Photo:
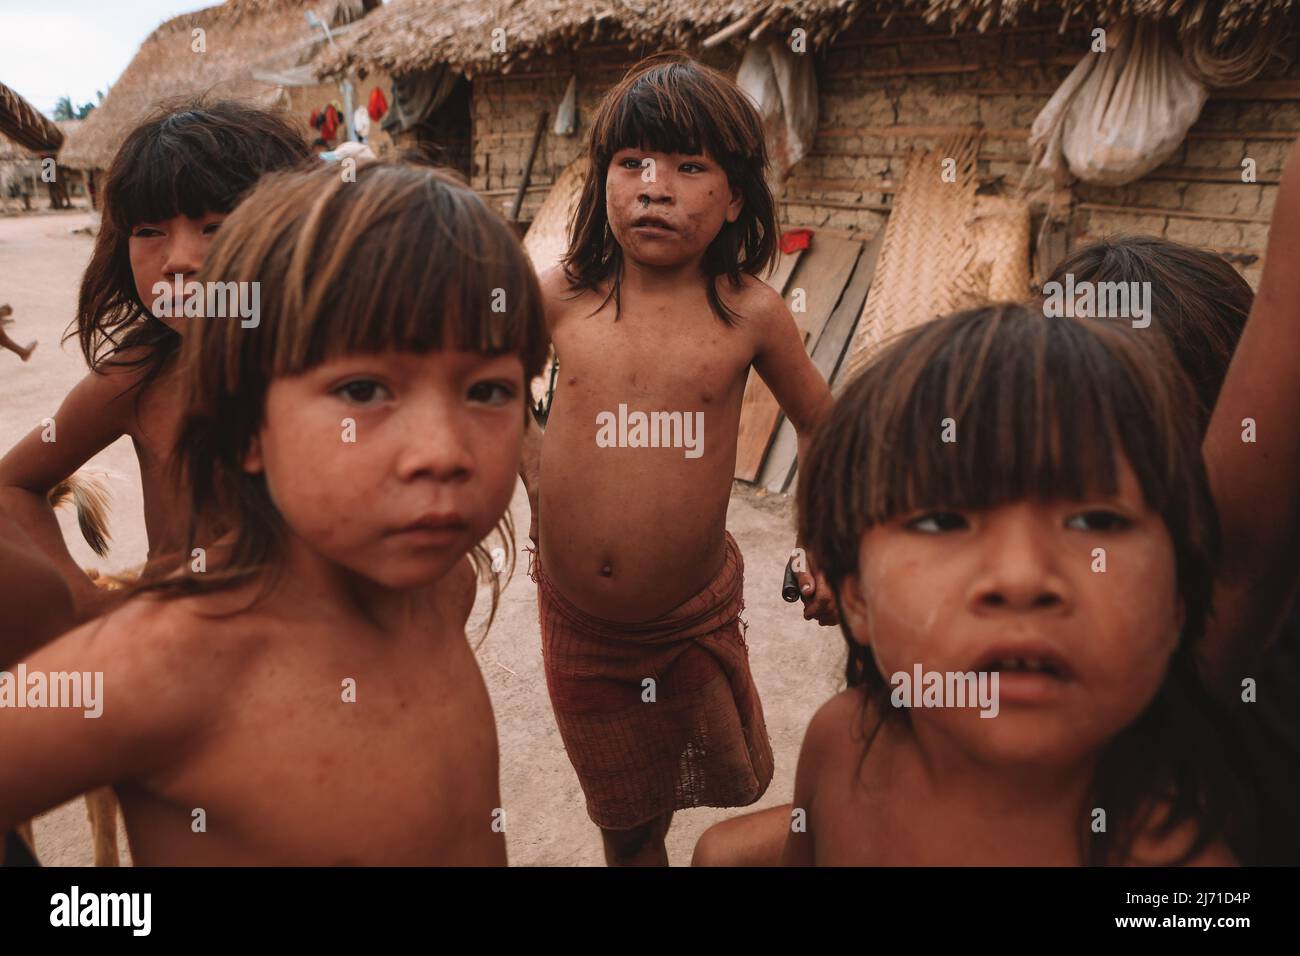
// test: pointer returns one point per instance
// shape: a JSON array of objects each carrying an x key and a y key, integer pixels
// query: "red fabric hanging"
[
  {"x": 331, "y": 124},
  {"x": 795, "y": 239},
  {"x": 378, "y": 105}
]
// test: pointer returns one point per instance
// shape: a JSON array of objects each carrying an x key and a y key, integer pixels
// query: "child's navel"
[{"x": 607, "y": 570}]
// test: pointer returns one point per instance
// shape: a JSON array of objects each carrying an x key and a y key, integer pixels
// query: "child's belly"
[{"x": 628, "y": 533}]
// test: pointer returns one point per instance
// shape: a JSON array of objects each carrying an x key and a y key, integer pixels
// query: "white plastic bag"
[
  {"x": 784, "y": 87},
  {"x": 566, "y": 117},
  {"x": 1120, "y": 113}
]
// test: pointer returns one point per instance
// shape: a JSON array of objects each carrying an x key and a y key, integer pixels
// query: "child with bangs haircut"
[
  {"x": 1062, "y": 538},
  {"x": 658, "y": 307},
  {"x": 310, "y": 685},
  {"x": 173, "y": 181}
]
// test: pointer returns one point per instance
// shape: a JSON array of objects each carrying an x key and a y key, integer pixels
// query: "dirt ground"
[{"x": 796, "y": 664}]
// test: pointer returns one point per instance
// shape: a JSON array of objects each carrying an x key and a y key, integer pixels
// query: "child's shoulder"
[
  {"x": 752, "y": 298},
  {"x": 169, "y": 637},
  {"x": 834, "y": 726}
]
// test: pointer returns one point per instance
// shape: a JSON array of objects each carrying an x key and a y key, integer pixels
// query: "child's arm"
[
  {"x": 90, "y": 419},
  {"x": 799, "y": 845},
  {"x": 784, "y": 365},
  {"x": 1257, "y": 485},
  {"x": 35, "y": 603},
  {"x": 530, "y": 469},
  {"x": 152, "y": 706}
]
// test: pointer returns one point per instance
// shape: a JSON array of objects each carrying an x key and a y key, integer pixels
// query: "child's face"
[
  {"x": 394, "y": 465},
  {"x": 959, "y": 591},
  {"x": 665, "y": 208},
  {"x": 161, "y": 250}
]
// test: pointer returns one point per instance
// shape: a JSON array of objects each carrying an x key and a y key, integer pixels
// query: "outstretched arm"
[
  {"x": 784, "y": 365},
  {"x": 1256, "y": 483},
  {"x": 148, "y": 712}
]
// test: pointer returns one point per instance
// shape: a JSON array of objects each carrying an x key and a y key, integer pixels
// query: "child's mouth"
[{"x": 652, "y": 224}]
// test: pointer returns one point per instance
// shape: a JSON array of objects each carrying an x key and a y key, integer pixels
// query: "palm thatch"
[
  {"x": 237, "y": 35},
  {"x": 24, "y": 125},
  {"x": 412, "y": 35}
]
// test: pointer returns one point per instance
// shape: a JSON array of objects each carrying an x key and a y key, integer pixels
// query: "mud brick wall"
[{"x": 886, "y": 88}]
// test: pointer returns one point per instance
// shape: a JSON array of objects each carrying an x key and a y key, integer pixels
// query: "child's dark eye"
[
  {"x": 691, "y": 168},
  {"x": 1098, "y": 520},
  {"x": 938, "y": 522},
  {"x": 145, "y": 232},
  {"x": 363, "y": 391},
  {"x": 632, "y": 163},
  {"x": 492, "y": 393},
  {"x": 212, "y": 227}
]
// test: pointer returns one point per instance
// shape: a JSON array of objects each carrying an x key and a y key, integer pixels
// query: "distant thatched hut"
[
  {"x": 27, "y": 140},
  {"x": 231, "y": 51},
  {"x": 890, "y": 75}
]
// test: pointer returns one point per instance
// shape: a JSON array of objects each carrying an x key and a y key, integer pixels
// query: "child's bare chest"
[
  {"x": 166, "y": 503},
  {"x": 691, "y": 362},
  {"x": 891, "y": 820},
  {"x": 355, "y": 759}
]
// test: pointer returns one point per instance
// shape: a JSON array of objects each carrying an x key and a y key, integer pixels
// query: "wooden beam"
[{"x": 528, "y": 167}]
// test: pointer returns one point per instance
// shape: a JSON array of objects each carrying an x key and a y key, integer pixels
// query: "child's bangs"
[
  {"x": 670, "y": 109},
  {"x": 973, "y": 413},
  {"x": 397, "y": 258},
  {"x": 470, "y": 289},
  {"x": 163, "y": 176}
]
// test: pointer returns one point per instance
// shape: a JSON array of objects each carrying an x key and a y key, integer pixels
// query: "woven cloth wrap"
[{"x": 702, "y": 742}]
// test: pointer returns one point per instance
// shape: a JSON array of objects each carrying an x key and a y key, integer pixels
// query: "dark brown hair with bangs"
[
  {"x": 1044, "y": 409},
  {"x": 188, "y": 158},
  {"x": 1199, "y": 302},
  {"x": 671, "y": 104},
  {"x": 405, "y": 258}
]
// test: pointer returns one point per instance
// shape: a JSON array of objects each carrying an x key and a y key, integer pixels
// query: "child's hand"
[{"x": 815, "y": 592}]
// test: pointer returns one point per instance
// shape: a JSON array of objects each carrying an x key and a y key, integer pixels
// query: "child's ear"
[
  {"x": 736, "y": 205},
  {"x": 854, "y": 609},
  {"x": 253, "y": 457}
]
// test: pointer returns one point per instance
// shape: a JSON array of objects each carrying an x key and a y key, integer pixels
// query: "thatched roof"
[
  {"x": 410, "y": 35},
  {"x": 23, "y": 123},
  {"x": 238, "y": 34}
]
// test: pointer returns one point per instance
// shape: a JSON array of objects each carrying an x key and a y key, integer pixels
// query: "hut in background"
[
  {"x": 218, "y": 52},
  {"x": 27, "y": 139}
]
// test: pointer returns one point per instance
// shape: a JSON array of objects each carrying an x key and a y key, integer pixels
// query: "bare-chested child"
[
  {"x": 657, "y": 315},
  {"x": 24, "y": 352},
  {"x": 309, "y": 687},
  {"x": 172, "y": 182},
  {"x": 1018, "y": 525}
]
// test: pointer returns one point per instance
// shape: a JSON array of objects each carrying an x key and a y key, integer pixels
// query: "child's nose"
[
  {"x": 436, "y": 446},
  {"x": 1018, "y": 571},
  {"x": 184, "y": 254}
]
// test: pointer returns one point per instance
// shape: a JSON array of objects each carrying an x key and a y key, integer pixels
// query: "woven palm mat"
[
  {"x": 944, "y": 249},
  {"x": 548, "y": 236}
]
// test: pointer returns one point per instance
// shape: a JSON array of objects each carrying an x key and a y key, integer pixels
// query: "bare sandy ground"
[{"x": 796, "y": 664}]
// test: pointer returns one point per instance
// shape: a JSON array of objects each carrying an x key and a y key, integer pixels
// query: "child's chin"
[
  {"x": 407, "y": 573},
  {"x": 1021, "y": 738}
]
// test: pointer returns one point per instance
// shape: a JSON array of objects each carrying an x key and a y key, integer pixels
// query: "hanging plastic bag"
[
  {"x": 566, "y": 117},
  {"x": 784, "y": 87},
  {"x": 1120, "y": 113}
]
